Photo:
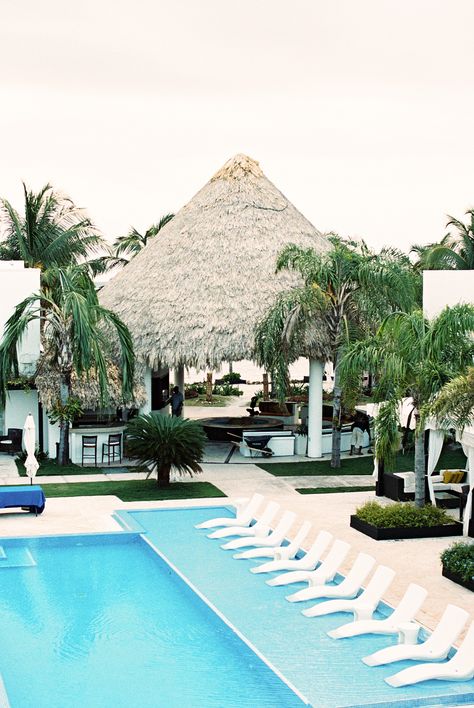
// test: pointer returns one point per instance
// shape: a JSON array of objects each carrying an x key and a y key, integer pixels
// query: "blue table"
[{"x": 28, "y": 495}]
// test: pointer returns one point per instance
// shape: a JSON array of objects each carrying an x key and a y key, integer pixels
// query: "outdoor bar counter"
[{"x": 101, "y": 431}]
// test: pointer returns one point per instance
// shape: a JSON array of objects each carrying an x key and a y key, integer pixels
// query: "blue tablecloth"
[{"x": 27, "y": 495}]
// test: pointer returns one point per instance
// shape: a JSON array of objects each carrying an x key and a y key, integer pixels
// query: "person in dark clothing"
[
  {"x": 358, "y": 428},
  {"x": 176, "y": 399}
]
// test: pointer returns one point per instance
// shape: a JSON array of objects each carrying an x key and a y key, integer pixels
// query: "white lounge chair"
[
  {"x": 459, "y": 668},
  {"x": 275, "y": 538},
  {"x": 404, "y": 612},
  {"x": 261, "y": 528},
  {"x": 436, "y": 647},
  {"x": 325, "y": 572},
  {"x": 244, "y": 514},
  {"x": 308, "y": 562},
  {"x": 351, "y": 584},
  {"x": 279, "y": 552},
  {"x": 362, "y": 606}
]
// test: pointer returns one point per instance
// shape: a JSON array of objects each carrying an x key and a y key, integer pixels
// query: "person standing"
[
  {"x": 177, "y": 400},
  {"x": 358, "y": 428}
]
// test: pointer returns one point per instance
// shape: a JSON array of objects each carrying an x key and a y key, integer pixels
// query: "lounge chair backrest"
[
  {"x": 323, "y": 539},
  {"x": 449, "y": 627},
  {"x": 252, "y": 507},
  {"x": 284, "y": 524},
  {"x": 377, "y": 586},
  {"x": 300, "y": 537},
  {"x": 463, "y": 660},
  {"x": 268, "y": 515},
  {"x": 362, "y": 566},
  {"x": 410, "y": 603},
  {"x": 335, "y": 557}
]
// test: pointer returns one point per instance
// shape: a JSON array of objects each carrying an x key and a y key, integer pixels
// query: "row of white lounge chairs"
[{"x": 260, "y": 541}]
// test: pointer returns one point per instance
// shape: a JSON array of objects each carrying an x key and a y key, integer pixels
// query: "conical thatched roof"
[{"x": 195, "y": 293}]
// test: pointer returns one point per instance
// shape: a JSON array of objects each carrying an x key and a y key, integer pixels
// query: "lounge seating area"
[
  {"x": 351, "y": 594},
  {"x": 11, "y": 442}
]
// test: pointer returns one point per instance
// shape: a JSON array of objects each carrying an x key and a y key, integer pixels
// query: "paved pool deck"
[{"x": 413, "y": 560}]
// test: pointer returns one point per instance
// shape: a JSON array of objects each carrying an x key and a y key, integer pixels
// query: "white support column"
[
  {"x": 146, "y": 408},
  {"x": 315, "y": 408},
  {"x": 178, "y": 377}
]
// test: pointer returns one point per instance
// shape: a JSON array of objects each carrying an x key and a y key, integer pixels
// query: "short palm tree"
[
  {"x": 412, "y": 356},
  {"x": 454, "y": 404},
  {"x": 164, "y": 443},
  {"x": 350, "y": 288},
  {"x": 127, "y": 247},
  {"x": 52, "y": 232},
  {"x": 76, "y": 336},
  {"x": 454, "y": 252}
]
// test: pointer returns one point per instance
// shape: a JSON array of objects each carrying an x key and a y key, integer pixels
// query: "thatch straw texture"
[{"x": 195, "y": 293}]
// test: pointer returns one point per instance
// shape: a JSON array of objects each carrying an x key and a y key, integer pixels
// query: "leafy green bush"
[
  {"x": 226, "y": 390},
  {"x": 231, "y": 378},
  {"x": 402, "y": 515},
  {"x": 459, "y": 560}
]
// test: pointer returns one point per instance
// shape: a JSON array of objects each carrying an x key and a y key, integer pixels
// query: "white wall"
[
  {"x": 443, "y": 288},
  {"x": 19, "y": 404},
  {"x": 16, "y": 283}
]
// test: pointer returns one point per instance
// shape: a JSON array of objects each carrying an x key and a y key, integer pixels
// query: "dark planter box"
[
  {"x": 392, "y": 534},
  {"x": 469, "y": 584}
]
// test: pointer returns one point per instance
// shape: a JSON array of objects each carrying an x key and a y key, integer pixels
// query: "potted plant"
[
  {"x": 458, "y": 564},
  {"x": 301, "y": 439},
  {"x": 403, "y": 520}
]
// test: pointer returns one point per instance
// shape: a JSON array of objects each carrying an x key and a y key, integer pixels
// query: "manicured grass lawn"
[
  {"x": 217, "y": 401},
  {"x": 364, "y": 464},
  {"x": 334, "y": 490},
  {"x": 49, "y": 468},
  {"x": 141, "y": 490}
]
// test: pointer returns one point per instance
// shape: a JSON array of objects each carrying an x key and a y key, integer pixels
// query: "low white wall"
[{"x": 442, "y": 288}]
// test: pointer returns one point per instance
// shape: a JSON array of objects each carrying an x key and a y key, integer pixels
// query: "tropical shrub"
[
  {"x": 233, "y": 377},
  {"x": 402, "y": 515},
  {"x": 459, "y": 560},
  {"x": 226, "y": 390},
  {"x": 164, "y": 443}
]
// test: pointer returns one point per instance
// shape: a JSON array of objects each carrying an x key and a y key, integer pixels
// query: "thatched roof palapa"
[{"x": 195, "y": 293}]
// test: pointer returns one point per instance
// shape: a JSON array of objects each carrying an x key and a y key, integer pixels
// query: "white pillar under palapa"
[{"x": 315, "y": 408}]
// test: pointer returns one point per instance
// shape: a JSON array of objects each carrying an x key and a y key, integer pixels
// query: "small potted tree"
[
  {"x": 301, "y": 439},
  {"x": 163, "y": 443}
]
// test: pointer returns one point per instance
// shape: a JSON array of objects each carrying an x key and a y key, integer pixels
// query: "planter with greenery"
[
  {"x": 301, "y": 439},
  {"x": 458, "y": 564},
  {"x": 403, "y": 520},
  {"x": 163, "y": 443}
]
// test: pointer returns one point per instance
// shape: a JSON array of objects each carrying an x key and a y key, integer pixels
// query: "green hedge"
[
  {"x": 402, "y": 515},
  {"x": 459, "y": 560}
]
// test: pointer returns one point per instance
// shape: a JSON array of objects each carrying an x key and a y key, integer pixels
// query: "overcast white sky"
[{"x": 360, "y": 111}]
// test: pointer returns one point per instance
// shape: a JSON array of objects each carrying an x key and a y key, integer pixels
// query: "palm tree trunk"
[
  {"x": 163, "y": 477},
  {"x": 419, "y": 466},
  {"x": 336, "y": 415},
  {"x": 63, "y": 454}
]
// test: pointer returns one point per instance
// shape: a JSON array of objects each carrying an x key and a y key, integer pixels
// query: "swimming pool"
[{"x": 102, "y": 620}]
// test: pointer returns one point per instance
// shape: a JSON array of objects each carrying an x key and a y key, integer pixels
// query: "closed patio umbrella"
[{"x": 29, "y": 443}]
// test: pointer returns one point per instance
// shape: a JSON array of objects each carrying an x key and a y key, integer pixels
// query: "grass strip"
[
  {"x": 363, "y": 464},
  {"x": 49, "y": 468},
  {"x": 333, "y": 490},
  {"x": 136, "y": 490}
]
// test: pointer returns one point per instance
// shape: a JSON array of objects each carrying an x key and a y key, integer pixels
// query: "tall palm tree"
[
  {"x": 454, "y": 252},
  {"x": 52, "y": 232},
  {"x": 164, "y": 443},
  {"x": 350, "y": 288},
  {"x": 126, "y": 247},
  {"x": 416, "y": 357},
  {"x": 76, "y": 336}
]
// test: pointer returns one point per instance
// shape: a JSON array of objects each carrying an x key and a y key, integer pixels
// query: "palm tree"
[
  {"x": 162, "y": 443},
  {"x": 350, "y": 288},
  {"x": 453, "y": 252},
  {"x": 78, "y": 335},
  {"x": 52, "y": 231},
  {"x": 126, "y": 247},
  {"x": 455, "y": 403},
  {"x": 416, "y": 357}
]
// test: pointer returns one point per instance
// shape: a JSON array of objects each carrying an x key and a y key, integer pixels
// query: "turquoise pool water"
[
  {"x": 103, "y": 620},
  {"x": 328, "y": 672}
]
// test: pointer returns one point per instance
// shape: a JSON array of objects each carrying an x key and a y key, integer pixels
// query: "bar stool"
[
  {"x": 89, "y": 445},
  {"x": 114, "y": 445}
]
